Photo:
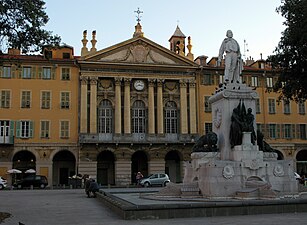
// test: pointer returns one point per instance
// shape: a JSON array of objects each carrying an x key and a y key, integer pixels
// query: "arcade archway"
[
  {"x": 280, "y": 156},
  {"x": 23, "y": 161},
  {"x": 139, "y": 161},
  {"x": 105, "y": 168},
  {"x": 173, "y": 166},
  {"x": 301, "y": 162},
  {"x": 64, "y": 166}
]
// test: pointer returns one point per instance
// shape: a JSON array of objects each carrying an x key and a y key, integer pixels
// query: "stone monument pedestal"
[{"x": 242, "y": 170}]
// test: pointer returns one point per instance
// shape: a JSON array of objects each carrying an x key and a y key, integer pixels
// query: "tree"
[
  {"x": 21, "y": 23},
  {"x": 291, "y": 53}
]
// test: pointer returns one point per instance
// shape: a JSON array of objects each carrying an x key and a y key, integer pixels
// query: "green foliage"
[
  {"x": 21, "y": 23},
  {"x": 291, "y": 53}
]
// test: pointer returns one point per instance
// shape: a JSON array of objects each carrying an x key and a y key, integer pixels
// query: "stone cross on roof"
[{"x": 138, "y": 16}]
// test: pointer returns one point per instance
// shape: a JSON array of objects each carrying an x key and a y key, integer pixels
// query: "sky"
[{"x": 256, "y": 22}]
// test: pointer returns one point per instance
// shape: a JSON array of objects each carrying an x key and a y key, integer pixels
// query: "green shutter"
[
  {"x": 12, "y": 128},
  {"x": 13, "y": 72},
  {"x": 33, "y": 72},
  {"x": 293, "y": 134},
  {"x": 20, "y": 72},
  {"x": 12, "y": 132},
  {"x": 278, "y": 131},
  {"x": 266, "y": 132},
  {"x": 18, "y": 124},
  {"x": 31, "y": 131},
  {"x": 40, "y": 72},
  {"x": 53, "y": 70},
  {"x": 298, "y": 136}
]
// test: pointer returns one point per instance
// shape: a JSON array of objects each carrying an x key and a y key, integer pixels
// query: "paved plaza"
[{"x": 61, "y": 207}]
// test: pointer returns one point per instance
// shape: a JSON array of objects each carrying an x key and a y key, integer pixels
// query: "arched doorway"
[
  {"x": 23, "y": 161},
  {"x": 173, "y": 166},
  {"x": 301, "y": 162},
  {"x": 139, "y": 161},
  {"x": 105, "y": 168},
  {"x": 64, "y": 166}
]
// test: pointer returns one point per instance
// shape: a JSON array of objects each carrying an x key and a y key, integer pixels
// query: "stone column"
[
  {"x": 192, "y": 96},
  {"x": 118, "y": 119},
  {"x": 160, "y": 106},
  {"x": 183, "y": 107},
  {"x": 127, "y": 107},
  {"x": 151, "y": 106},
  {"x": 83, "y": 108},
  {"x": 93, "y": 105}
]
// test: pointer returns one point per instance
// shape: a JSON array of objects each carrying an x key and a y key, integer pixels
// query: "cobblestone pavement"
[{"x": 61, "y": 207}]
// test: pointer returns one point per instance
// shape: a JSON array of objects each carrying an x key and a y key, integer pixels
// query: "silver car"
[{"x": 155, "y": 179}]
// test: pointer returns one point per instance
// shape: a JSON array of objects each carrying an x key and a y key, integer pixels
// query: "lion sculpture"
[{"x": 206, "y": 143}]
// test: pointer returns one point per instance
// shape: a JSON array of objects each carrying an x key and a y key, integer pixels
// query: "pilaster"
[
  {"x": 127, "y": 106},
  {"x": 183, "y": 107},
  {"x": 160, "y": 106},
  {"x": 192, "y": 99},
  {"x": 118, "y": 123},
  {"x": 151, "y": 106},
  {"x": 83, "y": 108},
  {"x": 93, "y": 105}
]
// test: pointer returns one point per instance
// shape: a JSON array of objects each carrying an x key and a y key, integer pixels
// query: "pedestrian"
[
  {"x": 87, "y": 185},
  {"x": 139, "y": 177},
  {"x": 94, "y": 187}
]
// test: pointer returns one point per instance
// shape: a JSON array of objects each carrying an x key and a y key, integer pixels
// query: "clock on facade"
[{"x": 139, "y": 85}]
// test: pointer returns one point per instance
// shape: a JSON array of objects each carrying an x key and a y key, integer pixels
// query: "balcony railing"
[{"x": 136, "y": 138}]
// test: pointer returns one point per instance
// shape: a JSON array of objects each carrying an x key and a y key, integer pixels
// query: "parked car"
[
  {"x": 155, "y": 179},
  {"x": 32, "y": 180},
  {"x": 3, "y": 183}
]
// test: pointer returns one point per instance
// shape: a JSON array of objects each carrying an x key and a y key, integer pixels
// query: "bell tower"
[{"x": 177, "y": 42}]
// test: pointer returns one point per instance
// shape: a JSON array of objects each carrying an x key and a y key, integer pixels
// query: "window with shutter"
[
  {"x": 293, "y": 131},
  {"x": 208, "y": 128},
  {"x": 207, "y": 104},
  {"x": 279, "y": 131}
]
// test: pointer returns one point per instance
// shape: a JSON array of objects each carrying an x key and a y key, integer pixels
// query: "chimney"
[
  {"x": 201, "y": 60},
  {"x": 13, "y": 51}
]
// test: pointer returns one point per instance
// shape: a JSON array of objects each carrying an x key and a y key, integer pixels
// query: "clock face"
[{"x": 139, "y": 85}]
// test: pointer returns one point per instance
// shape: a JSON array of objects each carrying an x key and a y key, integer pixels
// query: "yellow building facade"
[{"x": 39, "y": 113}]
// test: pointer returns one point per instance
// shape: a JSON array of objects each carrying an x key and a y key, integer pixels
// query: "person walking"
[{"x": 139, "y": 177}]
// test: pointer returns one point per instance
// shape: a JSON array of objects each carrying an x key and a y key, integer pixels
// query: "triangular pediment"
[{"x": 138, "y": 50}]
